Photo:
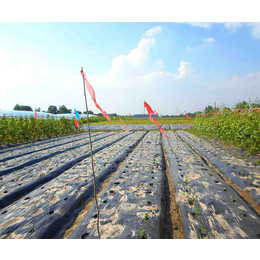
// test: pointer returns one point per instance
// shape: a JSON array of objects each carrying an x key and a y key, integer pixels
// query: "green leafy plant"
[
  {"x": 239, "y": 128},
  {"x": 191, "y": 200},
  {"x": 143, "y": 234},
  {"x": 146, "y": 216},
  {"x": 232, "y": 199},
  {"x": 203, "y": 231}
]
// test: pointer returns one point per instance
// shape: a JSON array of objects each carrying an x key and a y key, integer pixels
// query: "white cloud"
[
  {"x": 151, "y": 32},
  {"x": 43, "y": 72},
  {"x": 208, "y": 40},
  {"x": 128, "y": 66},
  {"x": 233, "y": 27},
  {"x": 201, "y": 25},
  {"x": 184, "y": 69},
  {"x": 255, "y": 28},
  {"x": 22, "y": 74}
]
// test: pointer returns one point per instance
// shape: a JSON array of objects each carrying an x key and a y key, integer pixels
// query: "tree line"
[
  {"x": 208, "y": 109},
  {"x": 51, "y": 109}
]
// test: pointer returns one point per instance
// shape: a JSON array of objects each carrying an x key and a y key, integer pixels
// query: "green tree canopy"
[
  {"x": 22, "y": 108},
  {"x": 64, "y": 110},
  {"x": 208, "y": 109},
  {"x": 52, "y": 110},
  {"x": 242, "y": 105},
  {"x": 89, "y": 112}
]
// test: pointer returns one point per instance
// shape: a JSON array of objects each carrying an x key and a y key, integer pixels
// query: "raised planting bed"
[
  {"x": 19, "y": 162},
  {"x": 180, "y": 126},
  {"x": 43, "y": 147},
  {"x": 30, "y": 144},
  {"x": 22, "y": 181},
  {"x": 209, "y": 206},
  {"x": 244, "y": 174},
  {"x": 131, "y": 205},
  {"x": 48, "y": 211}
]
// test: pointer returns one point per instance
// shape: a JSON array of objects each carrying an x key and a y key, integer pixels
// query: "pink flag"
[
  {"x": 84, "y": 118},
  {"x": 187, "y": 115},
  {"x": 130, "y": 114},
  {"x": 150, "y": 112},
  {"x": 36, "y": 115},
  {"x": 123, "y": 122},
  {"x": 76, "y": 122},
  {"x": 156, "y": 113},
  {"x": 92, "y": 94}
]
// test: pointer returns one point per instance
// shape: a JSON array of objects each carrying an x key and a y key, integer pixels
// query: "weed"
[
  {"x": 191, "y": 200},
  {"x": 143, "y": 234},
  {"x": 224, "y": 189},
  {"x": 203, "y": 231},
  {"x": 146, "y": 217},
  {"x": 232, "y": 199}
]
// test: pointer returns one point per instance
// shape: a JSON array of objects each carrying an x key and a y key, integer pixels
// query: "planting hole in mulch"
[{"x": 84, "y": 235}]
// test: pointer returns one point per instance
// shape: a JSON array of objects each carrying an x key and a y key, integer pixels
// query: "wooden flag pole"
[
  {"x": 92, "y": 160},
  {"x": 142, "y": 139}
]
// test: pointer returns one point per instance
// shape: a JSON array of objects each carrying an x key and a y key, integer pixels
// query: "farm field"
[
  {"x": 148, "y": 186},
  {"x": 140, "y": 120}
]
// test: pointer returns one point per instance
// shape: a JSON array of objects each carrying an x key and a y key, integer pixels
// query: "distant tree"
[
  {"x": 208, "y": 109},
  {"x": 89, "y": 112},
  {"x": 22, "y": 108},
  {"x": 79, "y": 112},
  {"x": 255, "y": 105},
  {"x": 226, "y": 108},
  {"x": 100, "y": 114},
  {"x": 64, "y": 110},
  {"x": 52, "y": 110},
  {"x": 242, "y": 105},
  {"x": 38, "y": 109}
]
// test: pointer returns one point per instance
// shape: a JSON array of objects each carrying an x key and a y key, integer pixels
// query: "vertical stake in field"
[
  {"x": 142, "y": 139},
  {"x": 92, "y": 160}
]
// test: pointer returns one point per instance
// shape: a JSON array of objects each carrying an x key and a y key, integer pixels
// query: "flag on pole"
[
  {"x": 156, "y": 113},
  {"x": 36, "y": 115},
  {"x": 150, "y": 112},
  {"x": 84, "y": 118},
  {"x": 76, "y": 114},
  {"x": 76, "y": 122},
  {"x": 92, "y": 94},
  {"x": 130, "y": 114},
  {"x": 123, "y": 122},
  {"x": 187, "y": 115}
]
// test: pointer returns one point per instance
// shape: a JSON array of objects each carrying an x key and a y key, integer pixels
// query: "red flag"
[
  {"x": 150, "y": 112},
  {"x": 84, "y": 118},
  {"x": 130, "y": 114},
  {"x": 123, "y": 122},
  {"x": 156, "y": 113},
  {"x": 92, "y": 94},
  {"x": 187, "y": 115},
  {"x": 36, "y": 115},
  {"x": 76, "y": 122}
]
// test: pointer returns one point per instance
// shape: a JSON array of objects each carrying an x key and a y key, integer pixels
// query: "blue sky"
[{"x": 170, "y": 65}]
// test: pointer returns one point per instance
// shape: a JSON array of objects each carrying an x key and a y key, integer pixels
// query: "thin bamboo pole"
[
  {"x": 92, "y": 160},
  {"x": 142, "y": 139}
]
